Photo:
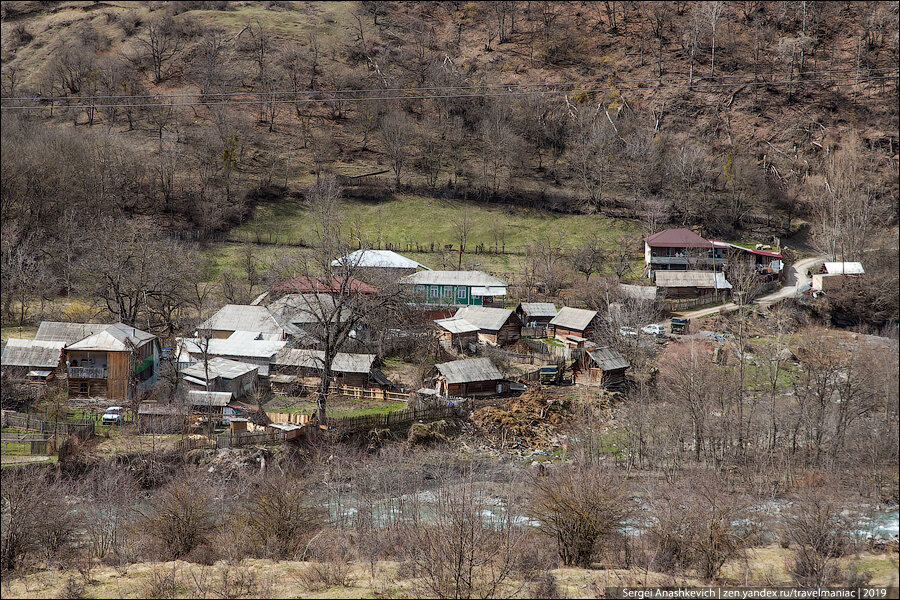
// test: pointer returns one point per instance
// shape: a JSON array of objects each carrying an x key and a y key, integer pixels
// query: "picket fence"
[{"x": 83, "y": 429}]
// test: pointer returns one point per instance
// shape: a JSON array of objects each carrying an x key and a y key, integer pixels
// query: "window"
[
  {"x": 83, "y": 388},
  {"x": 434, "y": 291},
  {"x": 461, "y": 291}
]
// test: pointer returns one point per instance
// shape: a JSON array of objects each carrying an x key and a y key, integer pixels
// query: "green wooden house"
[{"x": 465, "y": 288}]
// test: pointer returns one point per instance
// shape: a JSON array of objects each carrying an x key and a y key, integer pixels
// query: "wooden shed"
[
  {"x": 346, "y": 368},
  {"x": 496, "y": 326},
  {"x": 221, "y": 375},
  {"x": 472, "y": 377},
  {"x": 35, "y": 361},
  {"x": 603, "y": 366},
  {"x": 536, "y": 314},
  {"x": 574, "y": 322},
  {"x": 459, "y": 334}
]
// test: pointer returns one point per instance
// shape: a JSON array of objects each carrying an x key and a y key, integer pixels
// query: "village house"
[
  {"x": 536, "y": 314},
  {"x": 458, "y": 334},
  {"x": 379, "y": 266},
  {"x": 242, "y": 346},
  {"x": 470, "y": 377},
  {"x": 307, "y": 313},
  {"x": 683, "y": 250},
  {"x": 602, "y": 366},
  {"x": 474, "y": 288},
  {"x": 496, "y": 326},
  {"x": 574, "y": 325},
  {"x": 241, "y": 317},
  {"x": 357, "y": 370},
  {"x": 34, "y": 361},
  {"x": 222, "y": 375},
  {"x": 836, "y": 273},
  {"x": 113, "y": 363},
  {"x": 692, "y": 284}
]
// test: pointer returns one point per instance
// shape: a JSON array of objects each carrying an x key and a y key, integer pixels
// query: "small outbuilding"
[
  {"x": 472, "y": 377},
  {"x": 691, "y": 284},
  {"x": 602, "y": 366},
  {"x": 222, "y": 375},
  {"x": 536, "y": 314},
  {"x": 577, "y": 322},
  {"x": 496, "y": 326},
  {"x": 458, "y": 333},
  {"x": 836, "y": 273}
]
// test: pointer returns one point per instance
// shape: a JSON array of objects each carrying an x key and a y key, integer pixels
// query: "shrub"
[{"x": 181, "y": 517}]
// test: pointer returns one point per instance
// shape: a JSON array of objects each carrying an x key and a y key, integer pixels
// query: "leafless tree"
[
  {"x": 396, "y": 129},
  {"x": 164, "y": 40}
]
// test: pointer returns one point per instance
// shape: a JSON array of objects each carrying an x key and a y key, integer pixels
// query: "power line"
[
  {"x": 438, "y": 88},
  {"x": 696, "y": 87}
]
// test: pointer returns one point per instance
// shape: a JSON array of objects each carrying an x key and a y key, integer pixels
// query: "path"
[{"x": 795, "y": 278}]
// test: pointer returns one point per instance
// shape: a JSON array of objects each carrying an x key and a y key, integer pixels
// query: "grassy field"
[
  {"x": 409, "y": 222},
  {"x": 340, "y": 407}
]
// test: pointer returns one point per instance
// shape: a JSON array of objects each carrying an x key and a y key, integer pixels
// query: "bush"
[
  {"x": 181, "y": 518},
  {"x": 282, "y": 516}
]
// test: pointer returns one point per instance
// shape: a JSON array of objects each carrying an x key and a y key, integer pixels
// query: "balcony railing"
[{"x": 87, "y": 373}]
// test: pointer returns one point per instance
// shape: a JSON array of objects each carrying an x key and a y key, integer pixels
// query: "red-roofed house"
[
  {"x": 683, "y": 250},
  {"x": 304, "y": 284}
]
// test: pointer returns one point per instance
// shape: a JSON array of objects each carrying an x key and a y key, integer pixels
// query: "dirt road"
[{"x": 795, "y": 278}]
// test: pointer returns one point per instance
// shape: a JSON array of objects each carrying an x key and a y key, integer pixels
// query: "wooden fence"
[
  {"x": 83, "y": 430},
  {"x": 26, "y": 443}
]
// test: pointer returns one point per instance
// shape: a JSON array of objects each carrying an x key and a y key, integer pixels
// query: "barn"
[
  {"x": 496, "y": 326},
  {"x": 603, "y": 367},
  {"x": 574, "y": 323}
]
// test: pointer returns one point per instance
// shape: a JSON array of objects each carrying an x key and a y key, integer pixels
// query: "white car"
[
  {"x": 114, "y": 415},
  {"x": 653, "y": 329},
  {"x": 627, "y": 331}
]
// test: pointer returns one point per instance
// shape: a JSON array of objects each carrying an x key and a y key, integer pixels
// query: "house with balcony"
[
  {"x": 115, "y": 362},
  {"x": 683, "y": 250},
  {"x": 450, "y": 288}
]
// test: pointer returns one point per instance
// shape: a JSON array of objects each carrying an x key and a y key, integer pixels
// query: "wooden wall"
[{"x": 117, "y": 375}]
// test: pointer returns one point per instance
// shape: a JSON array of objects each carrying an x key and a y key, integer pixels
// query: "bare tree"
[
  {"x": 396, "y": 129},
  {"x": 713, "y": 11},
  {"x": 163, "y": 42}
]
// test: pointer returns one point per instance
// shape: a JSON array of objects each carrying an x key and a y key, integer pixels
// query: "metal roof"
[
  {"x": 55, "y": 331},
  {"x": 219, "y": 367},
  {"x": 538, "y": 309},
  {"x": 203, "y": 398},
  {"x": 608, "y": 359},
  {"x": 473, "y": 369},
  {"x": 844, "y": 268},
  {"x": 242, "y": 317},
  {"x": 454, "y": 325},
  {"x": 315, "y": 359},
  {"x": 488, "y": 290},
  {"x": 677, "y": 238},
  {"x": 307, "y": 309},
  {"x": 468, "y": 278},
  {"x": 378, "y": 258},
  {"x": 574, "y": 318},
  {"x": 702, "y": 279},
  {"x": 154, "y": 408},
  {"x": 483, "y": 317},
  {"x": 31, "y": 353},
  {"x": 115, "y": 338},
  {"x": 638, "y": 292},
  {"x": 264, "y": 349}
]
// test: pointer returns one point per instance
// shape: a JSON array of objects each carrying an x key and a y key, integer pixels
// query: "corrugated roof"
[
  {"x": 203, "y": 398},
  {"x": 538, "y": 309},
  {"x": 677, "y": 238},
  {"x": 483, "y": 317},
  {"x": 488, "y": 290},
  {"x": 638, "y": 292},
  {"x": 55, "y": 331},
  {"x": 844, "y": 268},
  {"x": 115, "y": 338},
  {"x": 608, "y": 359},
  {"x": 466, "y": 371},
  {"x": 454, "y": 325},
  {"x": 469, "y": 278},
  {"x": 264, "y": 349},
  {"x": 155, "y": 408},
  {"x": 307, "y": 309},
  {"x": 31, "y": 353},
  {"x": 242, "y": 317},
  {"x": 573, "y": 318},
  {"x": 219, "y": 367},
  {"x": 378, "y": 258},
  {"x": 315, "y": 359},
  {"x": 701, "y": 279}
]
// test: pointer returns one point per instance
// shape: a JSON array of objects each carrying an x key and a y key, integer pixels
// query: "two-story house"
[{"x": 115, "y": 362}]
